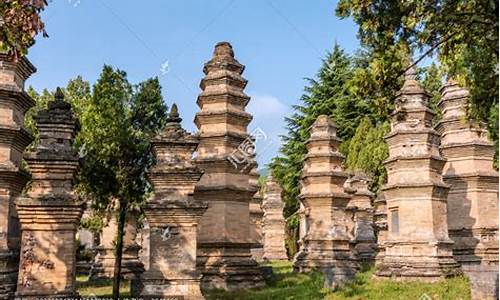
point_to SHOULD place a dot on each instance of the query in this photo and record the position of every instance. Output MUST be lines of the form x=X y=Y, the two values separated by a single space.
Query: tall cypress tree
x=327 y=94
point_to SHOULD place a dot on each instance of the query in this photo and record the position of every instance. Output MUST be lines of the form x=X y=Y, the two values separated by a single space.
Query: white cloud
x=268 y=115
x=266 y=106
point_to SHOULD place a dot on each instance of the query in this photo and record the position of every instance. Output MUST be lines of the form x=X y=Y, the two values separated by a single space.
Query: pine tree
x=327 y=94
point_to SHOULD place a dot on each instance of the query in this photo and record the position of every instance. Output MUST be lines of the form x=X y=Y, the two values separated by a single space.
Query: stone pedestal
x=473 y=196
x=256 y=215
x=327 y=244
x=380 y=222
x=104 y=264
x=417 y=246
x=364 y=235
x=173 y=216
x=226 y=154
x=50 y=213
x=274 y=222
x=14 y=138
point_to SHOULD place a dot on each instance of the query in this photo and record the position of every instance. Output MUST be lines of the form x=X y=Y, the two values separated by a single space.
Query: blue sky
x=280 y=41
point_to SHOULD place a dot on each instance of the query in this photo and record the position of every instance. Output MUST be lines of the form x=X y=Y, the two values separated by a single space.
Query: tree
x=464 y=35
x=328 y=94
x=432 y=82
x=117 y=124
x=357 y=93
x=20 y=22
x=367 y=150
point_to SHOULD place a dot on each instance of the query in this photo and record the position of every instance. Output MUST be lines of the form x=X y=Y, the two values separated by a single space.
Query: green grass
x=292 y=286
x=287 y=285
x=100 y=288
x=366 y=287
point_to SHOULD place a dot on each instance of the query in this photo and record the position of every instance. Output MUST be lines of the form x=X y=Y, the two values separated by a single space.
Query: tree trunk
x=119 y=251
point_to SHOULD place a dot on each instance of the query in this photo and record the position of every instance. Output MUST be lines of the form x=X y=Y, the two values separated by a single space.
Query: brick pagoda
x=473 y=197
x=327 y=244
x=364 y=235
x=173 y=215
x=274 y=222
x=50 y=212
x=226 y=155
x=417 y=245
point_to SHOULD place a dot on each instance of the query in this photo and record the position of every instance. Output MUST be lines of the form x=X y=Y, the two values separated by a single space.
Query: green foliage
x=367 y=150
x=118 y=120
x=93 y=223
x=20 y=22
x=464 y=34
x=432 y=83
x=328 y=94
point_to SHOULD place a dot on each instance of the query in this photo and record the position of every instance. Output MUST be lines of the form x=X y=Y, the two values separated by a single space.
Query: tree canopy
x=463 y=34
x=20 y=22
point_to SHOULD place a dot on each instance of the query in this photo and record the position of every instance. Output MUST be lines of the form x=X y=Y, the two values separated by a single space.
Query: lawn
x=287 y=285
x=100 y=288
x=291 y=286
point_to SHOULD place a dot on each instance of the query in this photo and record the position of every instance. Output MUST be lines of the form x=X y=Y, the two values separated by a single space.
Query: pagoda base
x=366 y=252
x=379 y=256
x=477 y=253
x=228 y=268
x=339 y=266
x=155 y=286
x=483 y=280
x=418 y=261
x=8 y=274
x=257 y=253
x=104 y=265
x=275 y=256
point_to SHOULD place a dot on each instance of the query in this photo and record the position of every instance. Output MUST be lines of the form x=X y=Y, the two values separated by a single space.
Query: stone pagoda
x=104 y=262
x=380 y=226
x=226 y=154
x=327 y=244
x=50 y=212
x=274 y=222
x=473 y=197
x=256 y=215
x=173 y=215
x=417 y=246
x=14 y=138
x=364 y=235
